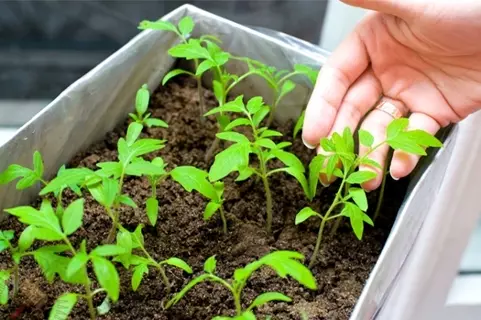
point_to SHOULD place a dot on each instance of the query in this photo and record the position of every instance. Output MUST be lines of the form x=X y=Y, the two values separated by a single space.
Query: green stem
x=238 y=306
x=89 y=297
x=224 y=221
x=273 y=109
x=16 y=280
x=338 y=221
x=113 y=229
x=210 y=153
x=159 y=266
x=268 y=202
x=318 y=243
x=381 y=193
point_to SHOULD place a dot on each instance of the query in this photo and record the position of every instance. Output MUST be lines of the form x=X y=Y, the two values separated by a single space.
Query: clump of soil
x=344 y=263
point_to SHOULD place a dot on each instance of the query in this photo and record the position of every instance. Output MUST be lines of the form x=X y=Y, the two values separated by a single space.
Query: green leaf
x=4 y=275
x=133 y=132
x=38 y=164
x=125 y=199
x=107 y=250
x=287 y=87
x=266 y=143
x=13 y=172
x=152 y=208
x=359 y=177
x=233 y=136
x=301 y=178
x=192 y=178
x=7 y=234
x=268 y=297
x=137 y=237
x=173 y=73
x=203 y=67
x=142 y=100
x=63 y=306
x=27 y=237
x=424 y=139
x=138 y=274
x=109 y=169
x=254 y=104
x=237 y=122
x=72 y=216
x=152 y=122
x=270 y=133
x=299 y=124
x=210 y=209
x=309 y=72
x=47 y=234
x=190 y=50
x=157 y=25
x=305 y=214
x=221 y=58
x=289 y=159
x=44 y=219
x=74 y=176
x=144 y=168
x=315 y=167
x=369 y=162
x=356 y=217
x=232 y=106
x=244 y=174
x=210 y=264
x=186 y=25
x=396 y=127
x=359 y=197
x=186 y=289
x=219 y=93
x=332 y=163
x=27 y=181
x=327 y=145
x=179 y=263
x=260 y=115
x=234 y=158
x=348 y=139
x=107 y=276
x=138 y=148
x=365 y=138
x=77 y=264
x=407 y=144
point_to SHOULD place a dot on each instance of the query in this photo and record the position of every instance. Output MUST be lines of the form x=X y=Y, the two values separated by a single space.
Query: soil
x=344 y=263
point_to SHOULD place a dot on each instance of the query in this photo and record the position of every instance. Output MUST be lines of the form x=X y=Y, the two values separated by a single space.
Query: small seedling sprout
x=350 y=197
x=284 y=263
x=236 y=157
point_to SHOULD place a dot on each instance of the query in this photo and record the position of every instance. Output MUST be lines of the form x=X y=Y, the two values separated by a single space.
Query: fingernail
x=394 y=178
x=325 y=185
x=309 y=146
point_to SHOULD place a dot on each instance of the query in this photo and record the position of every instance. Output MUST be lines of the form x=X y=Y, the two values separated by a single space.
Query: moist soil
x=343 y=266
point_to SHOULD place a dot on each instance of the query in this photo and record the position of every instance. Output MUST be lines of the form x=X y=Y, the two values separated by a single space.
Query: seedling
x=141 y=118
x=44 y=224
x=192 y=178
x=353 y=199
x=130 y=241
x=27 y=177
x=5 y=244
x=236 y=157
x=284 y=263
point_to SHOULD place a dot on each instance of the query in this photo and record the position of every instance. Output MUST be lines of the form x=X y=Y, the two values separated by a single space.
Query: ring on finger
x=392 y=107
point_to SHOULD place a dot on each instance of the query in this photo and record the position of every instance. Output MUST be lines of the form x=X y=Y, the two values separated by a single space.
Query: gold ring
x=390 y=108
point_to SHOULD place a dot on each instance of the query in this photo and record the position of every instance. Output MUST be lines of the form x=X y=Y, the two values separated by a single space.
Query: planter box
x=419 y=261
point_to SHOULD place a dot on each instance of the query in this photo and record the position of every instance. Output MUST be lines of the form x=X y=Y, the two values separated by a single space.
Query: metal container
x=414 y=272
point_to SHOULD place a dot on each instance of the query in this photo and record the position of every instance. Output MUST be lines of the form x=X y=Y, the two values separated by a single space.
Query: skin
x=423 y=54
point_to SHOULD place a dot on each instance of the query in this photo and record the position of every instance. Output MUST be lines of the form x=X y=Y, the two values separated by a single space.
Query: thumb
x=399 y=8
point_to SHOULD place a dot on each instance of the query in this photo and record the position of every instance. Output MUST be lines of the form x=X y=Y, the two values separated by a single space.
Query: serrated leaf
x=423 y=138
x=327 y=145
x=107 y=250
x=157 y=25
x=72 y=216
x=359 y=177
x=221 y=58
x=254 y=104
x=356 y=218
x=315 y=167
x=108 y=169
x=234 y=158
x=203 y=67
x=237 y=122
x=211 y=209
x=107 y=276
x=299 y=124
x=186 y=25
x=233 y=136
x=74 y=176
x=137 y=149
x=266 y=143
x=289 y=159
x=133 y=132
x=144 y=168
x=210 y=264
x=396 y=127
x=138 y=275
x=268 y=297
x=305 y=214
x=173 y=73
x=77 y=263
x=260 y=115
x=405 y=143
x=365 y=138
x=63 y=306
x=192 y=178
x=152 y=208
x=190 y=50
x=13 y=172
x=348 y=139
x=359 y=197
x=179 y=263
x=44 y=219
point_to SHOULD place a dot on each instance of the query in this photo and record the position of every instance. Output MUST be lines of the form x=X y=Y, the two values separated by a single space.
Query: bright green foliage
x=134 y=241
x=284 y=263
x=236 y=157
x=141 y=118
x=28 y=177
x=192 y=178
x=351 y=198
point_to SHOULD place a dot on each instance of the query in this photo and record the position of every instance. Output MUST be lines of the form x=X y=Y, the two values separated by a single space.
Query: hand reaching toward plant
x=421 y=56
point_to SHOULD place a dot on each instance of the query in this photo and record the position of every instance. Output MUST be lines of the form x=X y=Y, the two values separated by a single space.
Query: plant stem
x=113 y=229
x=238 y=306
x=224 y=221
x=338 y=221
x=16 y=280
x=318 y=243
x=89 y=298
x=159 y=266
x=268 y=203
x=273 y=110
x=210 y=153
x=381 y=193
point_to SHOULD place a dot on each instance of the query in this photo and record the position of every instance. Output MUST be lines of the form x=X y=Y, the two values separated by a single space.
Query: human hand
x=423 y=56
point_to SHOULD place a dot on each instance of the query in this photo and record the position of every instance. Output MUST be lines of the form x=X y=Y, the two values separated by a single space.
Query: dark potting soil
x=344 y=262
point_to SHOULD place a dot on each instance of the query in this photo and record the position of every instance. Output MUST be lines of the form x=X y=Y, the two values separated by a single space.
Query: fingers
x=403 y=163
x=360 y=98
x=341 y=70
x=402 y=9
x=376 y=123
